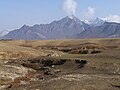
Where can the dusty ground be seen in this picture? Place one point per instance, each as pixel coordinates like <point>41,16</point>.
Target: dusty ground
<point>90,64</point>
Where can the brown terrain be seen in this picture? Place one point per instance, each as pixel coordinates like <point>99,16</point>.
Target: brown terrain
<point>86,64</point>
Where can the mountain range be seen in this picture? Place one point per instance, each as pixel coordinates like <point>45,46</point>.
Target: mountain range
<point>66,28</point>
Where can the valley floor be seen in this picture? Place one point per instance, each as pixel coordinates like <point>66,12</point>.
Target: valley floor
<point>90,64</point>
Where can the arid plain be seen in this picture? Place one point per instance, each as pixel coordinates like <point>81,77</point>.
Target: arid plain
<point>83,64</point>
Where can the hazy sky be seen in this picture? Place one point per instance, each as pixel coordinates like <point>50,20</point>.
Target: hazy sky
<point>15,13</point>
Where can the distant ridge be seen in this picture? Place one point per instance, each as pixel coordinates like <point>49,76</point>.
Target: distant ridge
<point>66,28</point>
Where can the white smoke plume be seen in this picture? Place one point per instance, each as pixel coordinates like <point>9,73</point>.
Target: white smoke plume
<point>70,7</point>
<point>89,13</point>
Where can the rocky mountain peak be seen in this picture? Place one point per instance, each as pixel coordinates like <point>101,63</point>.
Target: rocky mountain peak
<point>96,22</point>
<point>24,27</point>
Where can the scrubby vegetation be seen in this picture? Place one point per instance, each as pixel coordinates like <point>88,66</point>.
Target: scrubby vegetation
<point>84,52</point>
<point>81,63</point>
<point>95,51</point>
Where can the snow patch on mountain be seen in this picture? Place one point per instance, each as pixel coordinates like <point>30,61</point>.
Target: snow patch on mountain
<point>112,18</point>
<point>95,22</point>
<point>4,32</point>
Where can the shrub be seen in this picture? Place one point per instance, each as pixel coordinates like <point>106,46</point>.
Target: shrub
<point>84,52</point>
<point>47,62</point>
<point>95,51</point>
<point>81,63</point>
<point>65,50</point>
<point>60,62</point>
<point>77,61</point>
